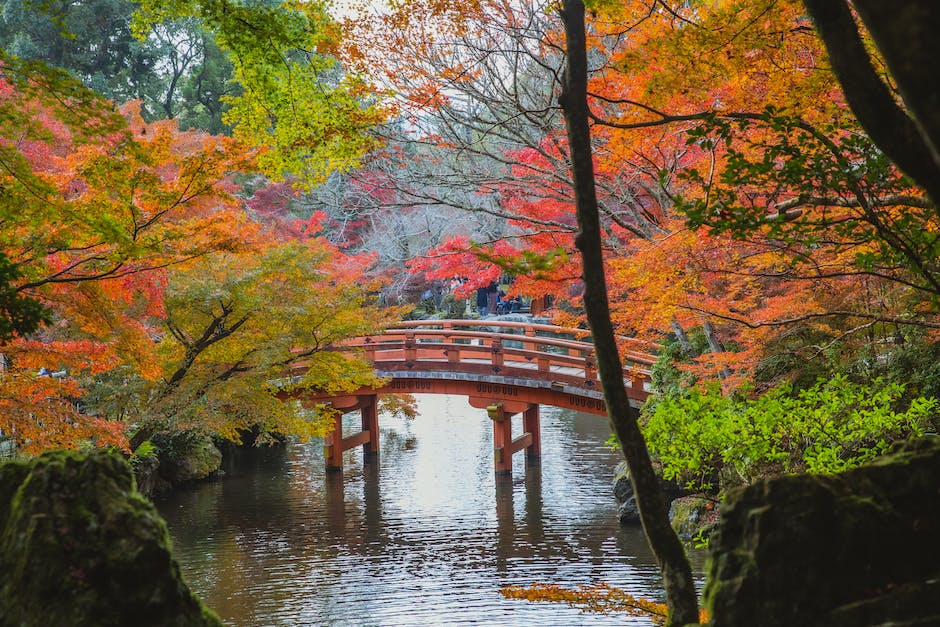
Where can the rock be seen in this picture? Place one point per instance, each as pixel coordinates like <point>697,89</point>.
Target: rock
<point>854,549</point>
<point>79,546</point>
<point>628,513</point>
<point>187,456</point>
<point>693,516</point>
<point>147,477</point>
<point>623,489</point>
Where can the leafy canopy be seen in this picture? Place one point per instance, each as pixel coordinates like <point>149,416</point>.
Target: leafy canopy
<point>295,99</point>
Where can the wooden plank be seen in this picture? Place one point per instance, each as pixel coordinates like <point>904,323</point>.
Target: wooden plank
<point>523,441</point>
<point>357,439</point>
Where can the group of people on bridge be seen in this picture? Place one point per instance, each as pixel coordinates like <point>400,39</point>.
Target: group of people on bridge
<point>493,299</point>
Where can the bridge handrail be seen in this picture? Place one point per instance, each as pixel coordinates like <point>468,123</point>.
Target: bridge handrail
<point>419,328</point>
<point>394,341</point>
<point>414,346</point>
<point>445,349</point>
<point>650,347</point>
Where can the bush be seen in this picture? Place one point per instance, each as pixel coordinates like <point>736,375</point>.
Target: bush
<point>703,437</point>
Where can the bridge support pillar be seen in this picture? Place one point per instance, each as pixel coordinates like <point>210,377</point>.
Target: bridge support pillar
<point>334,445</point>
<point>503,443</point>
<point>530,424</point>
<point>370,423</point>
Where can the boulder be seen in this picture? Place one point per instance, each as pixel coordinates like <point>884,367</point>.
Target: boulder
<point>623,489</point>
<point>628,514</point>
<point>187,456</point>
<point>693,516</point>
<point>79,546</point>
<point>855,549</point>
<point>147,476</point>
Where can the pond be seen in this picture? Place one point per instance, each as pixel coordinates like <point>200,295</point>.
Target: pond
<point>425,535</point>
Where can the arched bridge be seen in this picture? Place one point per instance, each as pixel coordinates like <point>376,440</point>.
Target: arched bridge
<point>504,367</point>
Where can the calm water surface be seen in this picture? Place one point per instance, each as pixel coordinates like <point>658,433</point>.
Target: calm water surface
<point>426,535</point>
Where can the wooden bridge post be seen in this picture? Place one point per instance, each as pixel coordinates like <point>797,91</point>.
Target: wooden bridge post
<point>504,446</point>
<point>370,423</point>
<point>497,358</point>
<point>502,438</point>
<point>333,444</point>
<point>530,424</point>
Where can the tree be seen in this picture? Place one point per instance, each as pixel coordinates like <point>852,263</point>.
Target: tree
<point>294,98</point>
<point>237,322</point>
<point>677,574</point>
<point>904,37</point>
<point>92,40</point>
<point>177,71</point>
<point>107,216</point>
<point>96,207</point>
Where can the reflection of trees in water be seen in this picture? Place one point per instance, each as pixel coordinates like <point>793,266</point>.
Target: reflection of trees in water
<point>394,441</point>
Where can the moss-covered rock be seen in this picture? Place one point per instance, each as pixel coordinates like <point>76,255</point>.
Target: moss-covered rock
<point>693,516</point>
<point>855,549</point>
<point>79,546</point>
<point>187,456</point>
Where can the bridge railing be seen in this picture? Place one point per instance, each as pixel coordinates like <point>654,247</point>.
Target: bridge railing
<point>501,348</point>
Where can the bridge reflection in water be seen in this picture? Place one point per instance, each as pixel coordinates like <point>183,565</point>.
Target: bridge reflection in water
<point>507,524</point>
<point>507,368</point>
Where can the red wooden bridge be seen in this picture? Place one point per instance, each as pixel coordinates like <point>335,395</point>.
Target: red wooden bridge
<point>507,368</point>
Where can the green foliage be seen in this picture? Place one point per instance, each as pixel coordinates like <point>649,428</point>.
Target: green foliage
<point>263,67</point>
<point>92,40</point>
<point>294,100</point>
<point>832,426</point>
<point>667,379</point>
<point>536,264</point>
<point>19,314</point>
<point>146,450</point>
<point>202,92</point>
<point>453,308</point>
<point>702,539</point>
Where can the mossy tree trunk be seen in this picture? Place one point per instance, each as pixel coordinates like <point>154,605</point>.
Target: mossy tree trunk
<point>677,574</point>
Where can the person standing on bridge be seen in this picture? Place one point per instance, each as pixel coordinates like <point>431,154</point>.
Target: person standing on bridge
<point>482,303</point>
<point>492,297</point>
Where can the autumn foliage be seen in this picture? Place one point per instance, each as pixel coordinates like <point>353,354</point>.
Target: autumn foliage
<point>737,191</point>
<point>170,305</point>
<point>600,598</point>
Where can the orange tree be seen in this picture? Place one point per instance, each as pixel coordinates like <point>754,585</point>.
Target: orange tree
<point>94,208</point>
<point>156,284</point>
<point>717,116</point>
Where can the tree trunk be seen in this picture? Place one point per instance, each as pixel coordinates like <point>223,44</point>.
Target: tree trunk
<point>714,345</point>
<point>682,337</point>
<point>677,574</point>
<point>906,34</point>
